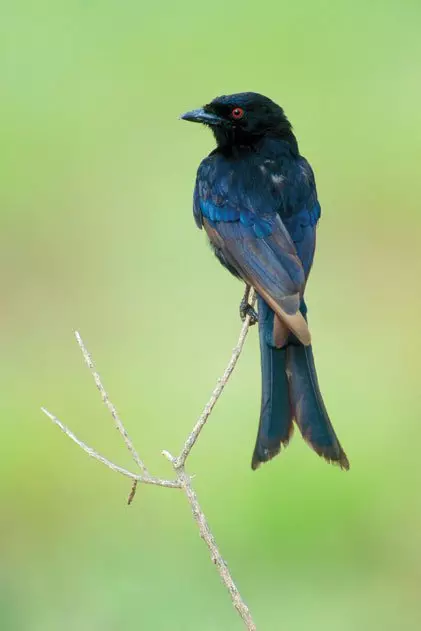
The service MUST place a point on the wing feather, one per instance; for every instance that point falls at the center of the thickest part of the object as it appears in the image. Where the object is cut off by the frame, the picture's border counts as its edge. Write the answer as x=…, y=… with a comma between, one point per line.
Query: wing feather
x=276, y=273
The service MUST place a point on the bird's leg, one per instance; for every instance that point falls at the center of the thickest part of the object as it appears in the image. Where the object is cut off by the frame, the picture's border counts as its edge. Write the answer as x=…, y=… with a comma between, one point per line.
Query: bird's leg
x=246, y=309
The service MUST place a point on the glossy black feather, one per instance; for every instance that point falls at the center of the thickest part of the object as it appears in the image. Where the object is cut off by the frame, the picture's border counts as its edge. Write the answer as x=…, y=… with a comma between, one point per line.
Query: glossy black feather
x=256, y=197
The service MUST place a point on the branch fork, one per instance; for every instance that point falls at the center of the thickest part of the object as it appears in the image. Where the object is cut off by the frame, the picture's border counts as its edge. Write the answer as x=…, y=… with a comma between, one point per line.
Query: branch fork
x=182, y=480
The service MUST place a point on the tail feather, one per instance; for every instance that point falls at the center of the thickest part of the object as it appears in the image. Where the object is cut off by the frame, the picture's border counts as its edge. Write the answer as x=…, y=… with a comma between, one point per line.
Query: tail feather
x=308, y=407
x=290, y=391
x=275, y=425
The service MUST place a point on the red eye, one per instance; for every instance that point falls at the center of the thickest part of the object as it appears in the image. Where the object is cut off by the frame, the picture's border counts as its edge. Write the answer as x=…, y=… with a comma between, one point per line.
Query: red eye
x=237, y=113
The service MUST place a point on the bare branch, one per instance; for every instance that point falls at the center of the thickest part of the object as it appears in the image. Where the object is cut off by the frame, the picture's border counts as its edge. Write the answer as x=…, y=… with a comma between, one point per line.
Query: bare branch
x=169, y=456
x=104, y=395
x=145, y=479
x=220, y=385
x=182, y=481
x=215, y=554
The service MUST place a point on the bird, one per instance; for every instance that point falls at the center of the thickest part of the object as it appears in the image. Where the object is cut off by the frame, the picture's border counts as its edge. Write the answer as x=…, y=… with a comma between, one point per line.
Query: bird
x=255, y=196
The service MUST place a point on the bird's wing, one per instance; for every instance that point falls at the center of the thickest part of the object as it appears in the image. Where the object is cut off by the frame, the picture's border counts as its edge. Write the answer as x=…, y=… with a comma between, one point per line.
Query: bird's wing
x=197, y=213
x=248, y=233
x=302, y=228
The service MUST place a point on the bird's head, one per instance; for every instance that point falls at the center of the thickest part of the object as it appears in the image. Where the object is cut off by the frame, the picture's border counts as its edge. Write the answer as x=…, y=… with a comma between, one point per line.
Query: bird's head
x=242, y=119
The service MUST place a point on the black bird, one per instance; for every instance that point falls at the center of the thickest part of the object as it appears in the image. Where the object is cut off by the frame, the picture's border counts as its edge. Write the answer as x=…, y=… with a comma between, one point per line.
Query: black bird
x=256, y=197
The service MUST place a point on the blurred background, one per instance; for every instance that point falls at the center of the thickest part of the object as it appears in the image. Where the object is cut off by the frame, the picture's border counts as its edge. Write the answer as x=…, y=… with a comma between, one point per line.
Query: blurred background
x=97, y=234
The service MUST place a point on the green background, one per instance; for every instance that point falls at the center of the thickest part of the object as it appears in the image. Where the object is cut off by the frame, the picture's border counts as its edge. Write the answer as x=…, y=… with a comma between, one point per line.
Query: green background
x=97, y=234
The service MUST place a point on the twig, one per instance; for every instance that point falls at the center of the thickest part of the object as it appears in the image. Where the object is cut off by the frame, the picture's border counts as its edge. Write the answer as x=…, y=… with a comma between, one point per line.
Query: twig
x=216, y=557
x=146, y=479
x=132, y=492
x=104, y=395
x=220, y=385
x=182, y=481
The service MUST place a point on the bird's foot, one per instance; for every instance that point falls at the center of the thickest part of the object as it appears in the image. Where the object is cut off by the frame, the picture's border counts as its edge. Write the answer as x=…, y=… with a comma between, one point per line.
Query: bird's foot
x=247, y=310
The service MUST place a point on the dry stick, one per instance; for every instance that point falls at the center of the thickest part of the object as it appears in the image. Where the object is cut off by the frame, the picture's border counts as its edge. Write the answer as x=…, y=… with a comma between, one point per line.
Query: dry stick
x=221, y=383
x=132, y=492
x=208, y=538
x=146, y=479
x=216, y=557
x=182, y=480
x=118, y=423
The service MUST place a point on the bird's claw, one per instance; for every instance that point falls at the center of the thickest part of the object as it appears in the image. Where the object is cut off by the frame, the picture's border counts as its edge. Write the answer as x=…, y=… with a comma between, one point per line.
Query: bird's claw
x=247, y=310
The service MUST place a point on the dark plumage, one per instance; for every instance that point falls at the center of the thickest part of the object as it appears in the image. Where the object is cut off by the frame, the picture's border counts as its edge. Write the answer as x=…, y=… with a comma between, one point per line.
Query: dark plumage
x=256, y=197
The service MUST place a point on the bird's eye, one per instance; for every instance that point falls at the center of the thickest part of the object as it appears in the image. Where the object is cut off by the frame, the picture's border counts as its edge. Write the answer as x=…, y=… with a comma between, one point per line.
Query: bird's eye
x=237, y=113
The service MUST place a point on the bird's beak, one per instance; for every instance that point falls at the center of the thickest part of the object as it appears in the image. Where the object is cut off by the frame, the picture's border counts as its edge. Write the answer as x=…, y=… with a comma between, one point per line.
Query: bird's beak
x=201, y=116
